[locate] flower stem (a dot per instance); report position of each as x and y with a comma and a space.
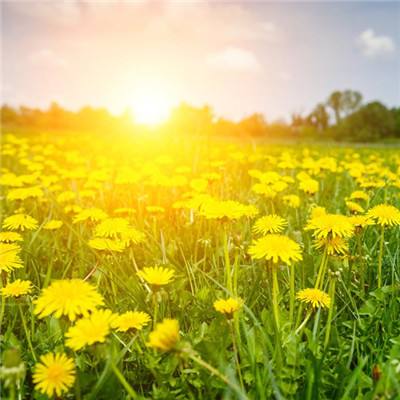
215, 372
28, 337
124, 382
322, 267
236, 353
275, 292
292, 294
332, 287
227, 263
2, 310
303, 324
380, 257
155, 305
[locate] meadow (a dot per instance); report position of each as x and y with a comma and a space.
158, 268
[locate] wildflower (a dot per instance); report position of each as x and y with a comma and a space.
292, 200
53, 225
131, 320
132, 236
334, 246
269, 224
217, 209
72, 208
8, 237
165, 336
359, 195
277, 248
228, 306
155, 209
25, 193
309, 186
89, 330
107, 244
266, 190
318, 211
315, 297
90, 214
199, 185
54, 374
17, 288
157, 276
385, 215
9, 258
20, 222
120, 230
111, 227
125, 210
354, 207
360, 221
331, 225
69, 297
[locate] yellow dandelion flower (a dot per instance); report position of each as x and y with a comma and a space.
89, 330
125, 210
218, 209
318, 211
20, 222
90, 214
25, 193
165, 336
157, 276
132, 236
315, 297
9, 258
53, 225
155, 209
269, 224
107, 244
309, 186
17, 288
131, 320
111, 227
334, 246
385, 215
359, 195
292, 200
8, 237
360, 221
277, 248
354, 207
228, 306
69, 297
54, 374
330, 225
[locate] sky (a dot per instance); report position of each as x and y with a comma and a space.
275, 58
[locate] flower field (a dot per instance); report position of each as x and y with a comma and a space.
149, 268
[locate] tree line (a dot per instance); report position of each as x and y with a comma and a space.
343, 117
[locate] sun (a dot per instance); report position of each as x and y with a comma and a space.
150, 108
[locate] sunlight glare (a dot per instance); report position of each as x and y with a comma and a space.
150, 108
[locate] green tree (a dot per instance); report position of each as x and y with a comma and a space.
370, 123
254, 125
319, 117
344, 103
335, 102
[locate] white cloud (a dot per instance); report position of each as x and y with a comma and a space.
234, 58
373, 45
47, 58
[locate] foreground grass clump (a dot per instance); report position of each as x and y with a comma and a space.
142, 269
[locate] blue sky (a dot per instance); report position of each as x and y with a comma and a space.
269, 57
